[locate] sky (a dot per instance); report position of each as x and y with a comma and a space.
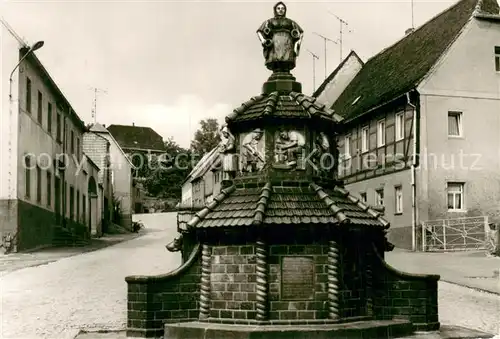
169, 64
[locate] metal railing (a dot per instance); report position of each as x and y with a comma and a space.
459, 234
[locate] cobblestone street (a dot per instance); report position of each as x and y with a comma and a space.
88, 291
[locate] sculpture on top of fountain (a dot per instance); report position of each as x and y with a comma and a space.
281, 38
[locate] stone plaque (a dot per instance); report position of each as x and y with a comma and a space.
297, 278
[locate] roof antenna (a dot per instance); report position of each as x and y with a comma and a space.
342, 24
412, 20
94, 104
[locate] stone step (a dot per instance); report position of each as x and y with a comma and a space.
360, 329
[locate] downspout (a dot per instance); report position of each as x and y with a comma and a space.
63, 181
413, 176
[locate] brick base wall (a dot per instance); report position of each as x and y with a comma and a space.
233, 277
410, 296
172, 297
317, 307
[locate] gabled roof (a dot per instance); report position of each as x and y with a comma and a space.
325, 83
137, 137
399, 68
99, 129
280, 205
205, 164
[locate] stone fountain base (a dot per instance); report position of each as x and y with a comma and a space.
360, 329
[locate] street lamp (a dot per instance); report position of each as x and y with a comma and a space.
34, 47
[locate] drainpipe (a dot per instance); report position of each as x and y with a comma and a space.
413, 177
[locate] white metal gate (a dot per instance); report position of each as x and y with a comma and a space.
455, 234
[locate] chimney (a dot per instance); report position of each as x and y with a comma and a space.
409, 30
104, 125
133, 124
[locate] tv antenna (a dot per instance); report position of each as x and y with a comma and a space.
314, 57
94, 104
342, 24
325, 39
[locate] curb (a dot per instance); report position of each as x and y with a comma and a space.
84, 249
478, 289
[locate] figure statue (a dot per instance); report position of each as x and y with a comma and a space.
226, 149
321, 147
288, 148
281, 38
252, 159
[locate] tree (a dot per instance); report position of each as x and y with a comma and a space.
168, 172
205, 138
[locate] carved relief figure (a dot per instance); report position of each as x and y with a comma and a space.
226, 150
281, 38
288, 149
321, 157
252, 151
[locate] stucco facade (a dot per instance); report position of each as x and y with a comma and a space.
121, 173
44, 172
453, 112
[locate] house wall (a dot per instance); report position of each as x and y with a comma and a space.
187, 194
97, 149
382, 168
37, 138
122, 176
8, 127
337, 85
465, 80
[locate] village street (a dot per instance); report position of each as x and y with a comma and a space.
88, 291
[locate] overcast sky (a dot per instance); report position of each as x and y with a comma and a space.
168, 64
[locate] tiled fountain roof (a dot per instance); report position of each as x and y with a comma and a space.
300, 204
291, 105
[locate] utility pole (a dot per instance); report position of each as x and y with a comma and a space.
314, 56
325, 39
94, 104
412, 18
342, 24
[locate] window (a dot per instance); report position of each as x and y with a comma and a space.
72, 142
381, 133
40, 107
497, 58
455, 196
38, 184
454, 124
398, 190
58, 127
363, 197
78, 148
71, 202
49, 117
347, 147
84, 207
364, 139
78, 205
400, 126
49, 188
379, 195
27, 176
28, 95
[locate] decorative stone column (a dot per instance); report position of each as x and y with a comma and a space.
262, 281
205, 282
333, 282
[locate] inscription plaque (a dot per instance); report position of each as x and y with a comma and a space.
297, 278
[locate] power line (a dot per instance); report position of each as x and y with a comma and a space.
325, 39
